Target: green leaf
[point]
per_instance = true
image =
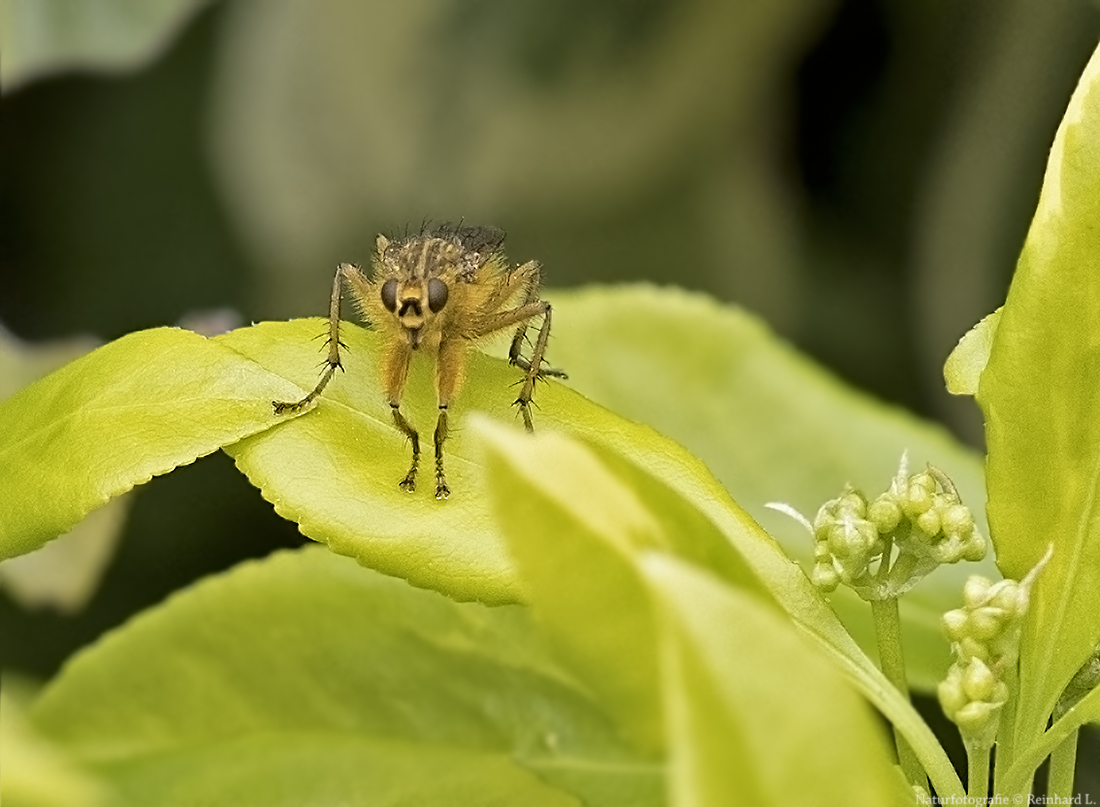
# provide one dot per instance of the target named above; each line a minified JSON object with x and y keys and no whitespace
{"x":1039,"y":394}
{"x":36,"y":773}
{"x":579,"y":527}
{"x":748,"y":703}
{"x":306,"y":679}
{"x":768,"y":423}
{"x":967,"y":361}
{"x":44,"y":36}
{"x":64,"y":573}
{"x":335,"y":470}
{"x":114,"y":418}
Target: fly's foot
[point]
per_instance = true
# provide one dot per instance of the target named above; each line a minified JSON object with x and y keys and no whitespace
{"x":282,"y":407}
{"x":525,"y":409}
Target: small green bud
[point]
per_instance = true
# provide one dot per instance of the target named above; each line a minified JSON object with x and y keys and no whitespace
{"x":985,"y":622}
{"x":853,"y":538}
{"x":924,"y":481}
{"x":1009,"y":596}
{"x":955,"y":624}
{"x":970,"y":648}
{"x":884,"y":513}
{"x":852,"y":503}
{"x":974,"y":549}
{"x":950,"y":693}
{"x":918,"y":497}
{"x":975,"y":591}
{"x":929,"y":521}
{"x":957,"y":520}
{"x":978,"y":681}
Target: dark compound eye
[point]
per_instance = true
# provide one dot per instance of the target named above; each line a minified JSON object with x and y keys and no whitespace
{"x":389,"y":294}
{"x":437,"y":294}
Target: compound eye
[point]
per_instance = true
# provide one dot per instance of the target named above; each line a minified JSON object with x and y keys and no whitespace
{"x":389,"y":294}
{"x":437,"y":294}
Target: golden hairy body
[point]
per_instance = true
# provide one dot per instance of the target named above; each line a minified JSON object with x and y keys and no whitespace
{"x":436,"y":292}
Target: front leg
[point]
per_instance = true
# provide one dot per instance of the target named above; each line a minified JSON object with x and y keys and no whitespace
{"x":395,"y":372}
{"x":441,"y":489}
{"x":450,"y":363}
{"x":409,"y":482}
{"x":353,"y":276}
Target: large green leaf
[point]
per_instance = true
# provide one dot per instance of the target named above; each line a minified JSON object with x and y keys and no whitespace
{"x":306,"y":679}
{"x":43,"y":36}
{"x":580,"y":524}
{"x":747,"y":703}
{"x":35,"y":773}
{"x":1039,"y":394}
{"x":133,"y":409}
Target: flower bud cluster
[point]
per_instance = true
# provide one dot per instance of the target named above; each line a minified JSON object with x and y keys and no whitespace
{"x":985,"y":638}
{"x":919,"y":517}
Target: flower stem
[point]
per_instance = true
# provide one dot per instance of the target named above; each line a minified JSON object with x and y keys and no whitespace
{"x":892,"y":661}
{"x":977,"y":773}
{"x":1063,"y":760}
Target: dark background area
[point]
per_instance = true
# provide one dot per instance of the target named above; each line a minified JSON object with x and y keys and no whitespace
{"x":113,"y":217}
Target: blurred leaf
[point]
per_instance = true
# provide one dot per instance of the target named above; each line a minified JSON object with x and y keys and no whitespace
{"x":45,"y":36}
{"x":35,"y":773}
{"x":967,"y":361}
{"x":305,"y":678}
{"x":133,"y":409}
{"x":1039,"y":394}
{"x":580,"y":528}
{"x":769,"y":424}
{"x":748,"y":703}
{"x":65,"y":573}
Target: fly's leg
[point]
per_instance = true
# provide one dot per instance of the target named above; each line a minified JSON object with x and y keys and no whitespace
{"x":409,"y":482}
{"x":395,"y":372}
{"x":449,"y":365}
{"x":441,"y":489}
{"x":533,"y":369}
{"x":332,"y":361}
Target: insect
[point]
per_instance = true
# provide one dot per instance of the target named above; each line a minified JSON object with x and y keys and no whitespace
{"x":437,"y":292}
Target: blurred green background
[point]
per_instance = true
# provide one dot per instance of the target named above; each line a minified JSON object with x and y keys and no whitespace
{"x":859,"y":172}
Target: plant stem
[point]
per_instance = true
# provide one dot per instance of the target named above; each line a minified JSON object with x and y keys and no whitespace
{"x":977,"y":773}
{"x":1006,"y":734}
{"x":892,"y":661}
{"x":1063,"y":760}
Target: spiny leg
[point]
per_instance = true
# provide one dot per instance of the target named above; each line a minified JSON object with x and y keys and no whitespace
{"x":395,"y":372}
{"x":449,"y":364}
{"x":441,"y":489}
{"x":409,"y":482}
{"x":332,"y":361}
{"x":533,"y":367}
